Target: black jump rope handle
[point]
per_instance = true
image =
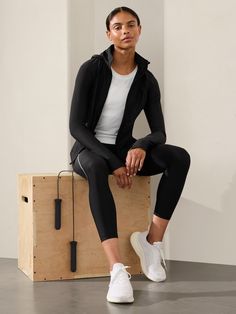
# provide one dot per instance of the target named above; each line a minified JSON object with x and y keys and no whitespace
{"x":73,"y":262}
{"x":57,"y":213}
{"x":73,"y":244}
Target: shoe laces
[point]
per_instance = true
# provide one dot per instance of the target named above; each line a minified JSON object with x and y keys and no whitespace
{"x":117,"y":276}
{"x":158,"y":245}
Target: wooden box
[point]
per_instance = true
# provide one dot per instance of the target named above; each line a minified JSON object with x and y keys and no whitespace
{"x":44,"y":252}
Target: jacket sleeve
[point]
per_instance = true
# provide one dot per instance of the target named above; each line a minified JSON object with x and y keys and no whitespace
{"x":154,"y":115}
{"x":79,"y":115}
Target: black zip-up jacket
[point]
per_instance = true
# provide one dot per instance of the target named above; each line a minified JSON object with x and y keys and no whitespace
{"x":90,"y":92}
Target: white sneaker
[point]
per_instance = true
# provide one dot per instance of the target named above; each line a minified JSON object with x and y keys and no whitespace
{"x":151,"y":256}
{"x":120,"y":289}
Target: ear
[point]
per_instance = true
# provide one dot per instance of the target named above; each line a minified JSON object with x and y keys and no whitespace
{"x":140,"y":29}
{"x":109,"y":35}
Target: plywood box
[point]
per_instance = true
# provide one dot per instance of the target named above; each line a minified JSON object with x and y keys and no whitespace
{"x":44,"y":252}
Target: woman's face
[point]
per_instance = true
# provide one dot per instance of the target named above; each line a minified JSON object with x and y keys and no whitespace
{"x":124,"y":30}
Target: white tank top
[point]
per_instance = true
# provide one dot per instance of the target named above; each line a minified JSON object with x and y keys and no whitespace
{"x":113,"y":110}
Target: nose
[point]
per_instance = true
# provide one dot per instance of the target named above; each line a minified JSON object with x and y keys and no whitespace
{"x":125,"y":30}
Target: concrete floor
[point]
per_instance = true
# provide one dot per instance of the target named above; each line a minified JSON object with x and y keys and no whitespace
{"x":190,"y":288}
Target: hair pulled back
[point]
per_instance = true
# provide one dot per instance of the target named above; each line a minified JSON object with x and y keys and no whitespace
{"x":118,"y":10}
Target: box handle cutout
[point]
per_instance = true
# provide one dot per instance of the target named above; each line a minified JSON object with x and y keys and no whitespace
{"x":25,"y":199}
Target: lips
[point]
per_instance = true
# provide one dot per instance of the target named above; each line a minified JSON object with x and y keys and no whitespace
{"x":127,"y":38}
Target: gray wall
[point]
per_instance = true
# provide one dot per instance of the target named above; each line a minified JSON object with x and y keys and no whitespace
{"x":200,"y":112}
{"x":33,"y":98}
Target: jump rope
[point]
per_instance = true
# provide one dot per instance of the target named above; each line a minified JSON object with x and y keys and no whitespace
{"x":58,"y":206}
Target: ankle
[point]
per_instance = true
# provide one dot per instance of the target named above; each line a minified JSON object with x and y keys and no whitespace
{"x":113,"y":263}
{"x":151,"y":239}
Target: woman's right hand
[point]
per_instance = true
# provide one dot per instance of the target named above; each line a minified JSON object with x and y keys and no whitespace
{"x":122,"y":179}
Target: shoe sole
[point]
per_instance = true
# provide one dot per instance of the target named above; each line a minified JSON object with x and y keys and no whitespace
{"x":117,"y":300}
{"x":138,"y":250}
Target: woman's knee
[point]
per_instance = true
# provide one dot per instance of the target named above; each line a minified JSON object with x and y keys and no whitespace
{"x":95,"y":166}
{"x":181,"y":156}
{"x":173,"y":155}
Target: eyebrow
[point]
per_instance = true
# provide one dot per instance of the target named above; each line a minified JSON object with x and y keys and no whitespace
{"x":131,"y":21}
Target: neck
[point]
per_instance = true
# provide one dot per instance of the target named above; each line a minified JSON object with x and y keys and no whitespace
{"x":123,"y":60}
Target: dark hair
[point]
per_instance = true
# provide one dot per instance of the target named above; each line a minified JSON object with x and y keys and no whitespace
{"x":120,"y":9}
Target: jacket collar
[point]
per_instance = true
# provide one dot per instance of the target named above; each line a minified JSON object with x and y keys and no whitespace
{"x":108,"y":57}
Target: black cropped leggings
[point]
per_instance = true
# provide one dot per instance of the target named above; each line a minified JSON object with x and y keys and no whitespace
{"x":170,"y":160}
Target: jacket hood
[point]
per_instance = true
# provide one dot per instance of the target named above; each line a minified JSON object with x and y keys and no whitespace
{"x":107,"y":56}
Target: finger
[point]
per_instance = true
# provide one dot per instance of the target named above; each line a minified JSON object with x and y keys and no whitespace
{"x":128,"y":163}
{"x":141,"y":164}
{"x":137,"y":165}
{"x":132,"y":166}
{"x":120,"y":178}
{"x":123,"y":180}
{"x":127,"y":171}
{"x":118,"y":181}
{"x":128,"y":182}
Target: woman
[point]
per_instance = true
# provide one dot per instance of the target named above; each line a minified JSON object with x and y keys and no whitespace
{"x":111,"y":90}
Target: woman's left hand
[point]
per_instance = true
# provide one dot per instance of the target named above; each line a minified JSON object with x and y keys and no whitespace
{"x":134,"y":160}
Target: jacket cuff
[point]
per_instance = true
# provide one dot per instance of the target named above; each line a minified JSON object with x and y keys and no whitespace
{"x":140,"y":144}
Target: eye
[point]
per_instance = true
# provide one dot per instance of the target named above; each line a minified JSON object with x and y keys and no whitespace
{"x":116,"y":27}
{"x":132,"y":24}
